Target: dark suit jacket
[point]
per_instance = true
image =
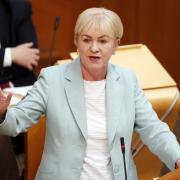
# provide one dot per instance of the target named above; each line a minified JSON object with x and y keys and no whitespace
{"x":16,"y":28}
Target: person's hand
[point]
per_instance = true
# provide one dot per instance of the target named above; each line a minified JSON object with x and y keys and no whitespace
{"x":178,"y":163}
{"x":26,"y":56}
{"x":4,"y":103}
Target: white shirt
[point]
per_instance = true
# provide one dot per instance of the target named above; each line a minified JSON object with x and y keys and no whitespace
{"x":97,"y":162}
{"x":7,"y":57}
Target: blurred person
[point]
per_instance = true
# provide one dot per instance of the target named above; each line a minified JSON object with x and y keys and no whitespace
{"x":18,"y":57}
{"x":90,"y":104}
{"x":18,"y":44}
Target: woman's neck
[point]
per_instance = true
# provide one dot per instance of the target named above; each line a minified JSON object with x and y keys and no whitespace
{"x":93,"y":76}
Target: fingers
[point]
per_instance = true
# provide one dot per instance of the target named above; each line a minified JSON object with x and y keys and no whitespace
{"x":1,"y":94}
{"x":4,"y":102}
{"x":9,"y":97}
{"x":35,"y":50}
{"x":4,"y":98}
{"x":28,"y":45}
{"x":26,"y":56}
{"x":32,"y":64}
{"x":34,"y":53}
{"x":34,"y":61}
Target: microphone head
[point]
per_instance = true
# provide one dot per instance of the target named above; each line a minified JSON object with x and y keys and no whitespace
{"x":122,"y":144}
{"x":123,"y":152}
{"x":56,"y":24}
{"x":122,"y":140}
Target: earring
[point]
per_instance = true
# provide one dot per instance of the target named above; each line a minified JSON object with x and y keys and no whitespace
{"x":77,"y":52}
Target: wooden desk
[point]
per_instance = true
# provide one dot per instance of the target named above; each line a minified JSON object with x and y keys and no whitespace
{"x":34,"y":144}
{"x":174,"y":175}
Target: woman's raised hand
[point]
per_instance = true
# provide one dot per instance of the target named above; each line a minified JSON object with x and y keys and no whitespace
{"x":4,"y":102}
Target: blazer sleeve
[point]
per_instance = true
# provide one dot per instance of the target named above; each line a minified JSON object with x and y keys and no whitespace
{"x":153,"y":132}
{"x":28,"y":111}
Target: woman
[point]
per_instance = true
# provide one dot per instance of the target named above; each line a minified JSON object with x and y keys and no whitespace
{"x":89,"y":105}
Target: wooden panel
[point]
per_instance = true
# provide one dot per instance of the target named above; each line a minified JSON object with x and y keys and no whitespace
{"x":155,"y":23}
{"x":159,"y":27}
{"x":44,"y":12}
{"x":34,"y":144}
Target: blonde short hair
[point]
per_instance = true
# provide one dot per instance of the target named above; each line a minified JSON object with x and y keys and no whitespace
{"x":106,"y":20}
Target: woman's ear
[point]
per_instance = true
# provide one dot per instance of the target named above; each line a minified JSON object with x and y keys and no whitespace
{"x":118,"y":42}
{"x":75,"y":39}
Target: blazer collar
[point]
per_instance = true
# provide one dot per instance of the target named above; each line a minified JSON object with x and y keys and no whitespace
{"x":114,"y":98}
{"x":74,"y":87}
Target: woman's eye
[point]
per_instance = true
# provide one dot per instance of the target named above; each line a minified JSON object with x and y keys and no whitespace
{"x":103,"y":41}
{"x":86,"y":40}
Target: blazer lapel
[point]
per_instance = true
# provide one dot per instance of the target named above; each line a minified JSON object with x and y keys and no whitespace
{"x":114,"y":95}
{"x":74,"y":88}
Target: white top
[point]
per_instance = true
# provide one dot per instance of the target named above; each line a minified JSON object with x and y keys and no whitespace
{"x":7,"y":58}
{"x":7,"y":61}
{"x":97,"y":162}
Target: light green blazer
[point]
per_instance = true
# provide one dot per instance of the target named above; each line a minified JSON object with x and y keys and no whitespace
{"x":59,"y":94}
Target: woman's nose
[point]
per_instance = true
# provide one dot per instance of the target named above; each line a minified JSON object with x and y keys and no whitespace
{"x":94,"y":47}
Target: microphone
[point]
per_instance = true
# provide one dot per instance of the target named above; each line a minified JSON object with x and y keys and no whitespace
{"x":56,"y":25}
{"x":123,"y":152}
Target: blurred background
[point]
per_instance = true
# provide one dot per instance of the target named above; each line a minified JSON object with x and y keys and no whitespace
{"x":155,"y":23}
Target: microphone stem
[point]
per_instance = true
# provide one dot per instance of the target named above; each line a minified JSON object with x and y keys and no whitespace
{"x":124,"y":161}
{"x":51,"y":48}
{"x":56,"y":25}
